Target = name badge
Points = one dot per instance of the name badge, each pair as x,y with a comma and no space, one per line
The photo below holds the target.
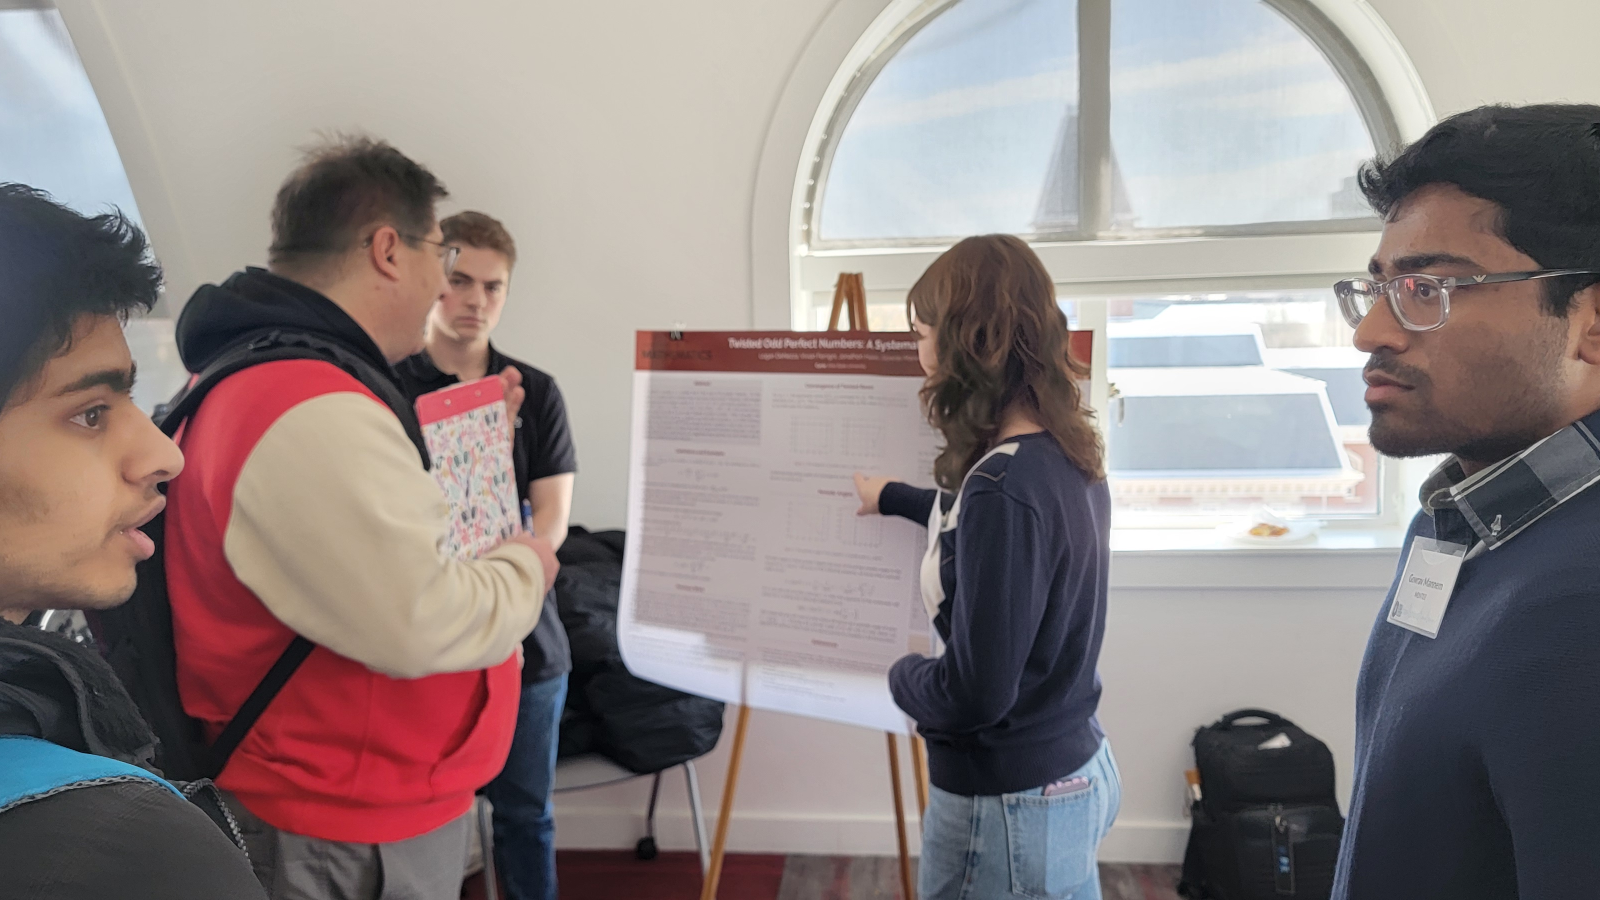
1426,585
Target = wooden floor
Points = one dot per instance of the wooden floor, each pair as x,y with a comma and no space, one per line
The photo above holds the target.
615,874
1122,881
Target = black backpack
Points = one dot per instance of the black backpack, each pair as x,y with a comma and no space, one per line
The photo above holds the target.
136,637
1267,824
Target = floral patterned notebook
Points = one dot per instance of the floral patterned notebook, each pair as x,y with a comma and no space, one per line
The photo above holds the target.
469,437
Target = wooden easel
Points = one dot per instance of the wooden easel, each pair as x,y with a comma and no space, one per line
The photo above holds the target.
849,297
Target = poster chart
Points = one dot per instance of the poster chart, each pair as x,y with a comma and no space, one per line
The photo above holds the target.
748,576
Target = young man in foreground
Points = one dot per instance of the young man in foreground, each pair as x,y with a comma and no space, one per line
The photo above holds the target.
80,468
1476,733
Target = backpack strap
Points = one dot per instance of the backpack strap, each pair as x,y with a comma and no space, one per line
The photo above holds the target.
253,350
278,344
233,733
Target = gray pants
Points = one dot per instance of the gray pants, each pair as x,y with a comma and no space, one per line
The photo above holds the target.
295,867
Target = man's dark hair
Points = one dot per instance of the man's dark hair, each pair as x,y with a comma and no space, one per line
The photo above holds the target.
1540,164
476,229
56,267
341,189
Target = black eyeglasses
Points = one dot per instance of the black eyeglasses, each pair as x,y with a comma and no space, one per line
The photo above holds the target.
1422,302
448,253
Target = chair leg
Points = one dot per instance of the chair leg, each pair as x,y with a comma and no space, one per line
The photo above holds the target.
491,883
698,815
646,848
650,813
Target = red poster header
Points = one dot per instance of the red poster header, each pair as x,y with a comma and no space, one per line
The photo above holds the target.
793,352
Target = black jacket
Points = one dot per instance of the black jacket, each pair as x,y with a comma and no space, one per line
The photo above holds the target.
638,724
121,840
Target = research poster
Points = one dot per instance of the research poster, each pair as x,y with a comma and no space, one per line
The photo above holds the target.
748,576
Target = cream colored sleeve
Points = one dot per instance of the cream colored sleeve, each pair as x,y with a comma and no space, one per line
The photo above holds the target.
339,531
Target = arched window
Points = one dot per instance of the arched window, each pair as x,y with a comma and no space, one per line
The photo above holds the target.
53,136
1186,170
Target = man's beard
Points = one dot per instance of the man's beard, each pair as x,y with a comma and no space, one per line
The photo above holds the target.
1513,405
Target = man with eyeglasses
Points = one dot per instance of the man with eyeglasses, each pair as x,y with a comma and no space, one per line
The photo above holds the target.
1478,706
307,510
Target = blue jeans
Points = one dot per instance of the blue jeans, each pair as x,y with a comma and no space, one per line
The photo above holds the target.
1022,844
524,818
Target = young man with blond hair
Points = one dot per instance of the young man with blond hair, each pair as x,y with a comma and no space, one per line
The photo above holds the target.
458,349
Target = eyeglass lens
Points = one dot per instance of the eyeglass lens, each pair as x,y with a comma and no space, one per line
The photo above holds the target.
1418,300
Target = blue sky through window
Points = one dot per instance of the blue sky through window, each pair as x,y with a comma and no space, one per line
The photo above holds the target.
1222,114
955,135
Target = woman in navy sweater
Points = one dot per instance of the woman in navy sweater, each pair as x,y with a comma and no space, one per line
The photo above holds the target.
1024,784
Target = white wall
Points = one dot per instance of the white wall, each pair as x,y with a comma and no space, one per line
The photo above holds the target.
618,141
621,142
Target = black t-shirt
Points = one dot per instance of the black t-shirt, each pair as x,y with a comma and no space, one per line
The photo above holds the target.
543,447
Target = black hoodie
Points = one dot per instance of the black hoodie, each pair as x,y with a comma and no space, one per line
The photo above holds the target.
127,839
255,302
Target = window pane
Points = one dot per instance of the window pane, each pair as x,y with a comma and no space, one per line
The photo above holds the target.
970,128
52,133
161,371
1222,113
1230,400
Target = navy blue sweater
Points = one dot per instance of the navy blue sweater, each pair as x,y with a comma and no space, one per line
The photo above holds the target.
1011,703
1478,752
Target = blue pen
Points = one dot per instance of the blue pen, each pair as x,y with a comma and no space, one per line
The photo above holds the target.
527,517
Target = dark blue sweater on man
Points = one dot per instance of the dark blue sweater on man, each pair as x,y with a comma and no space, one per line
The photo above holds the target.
1011,703
1478,751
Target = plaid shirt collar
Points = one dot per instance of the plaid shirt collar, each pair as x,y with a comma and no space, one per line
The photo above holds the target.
1502,500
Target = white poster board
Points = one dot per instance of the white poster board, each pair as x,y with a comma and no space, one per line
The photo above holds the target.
748,576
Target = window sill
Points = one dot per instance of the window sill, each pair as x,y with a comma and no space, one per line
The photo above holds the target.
1209,540
1200,558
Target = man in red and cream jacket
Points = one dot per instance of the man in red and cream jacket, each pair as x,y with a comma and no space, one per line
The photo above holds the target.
307,510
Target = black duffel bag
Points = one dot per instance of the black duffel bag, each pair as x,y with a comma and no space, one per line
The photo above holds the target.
1267,824
638,724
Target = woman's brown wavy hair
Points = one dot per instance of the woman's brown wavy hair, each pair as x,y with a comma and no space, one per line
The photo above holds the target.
1001,339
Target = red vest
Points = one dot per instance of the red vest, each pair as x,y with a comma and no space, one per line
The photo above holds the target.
343,753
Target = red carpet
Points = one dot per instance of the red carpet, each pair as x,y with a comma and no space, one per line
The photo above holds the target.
619,875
